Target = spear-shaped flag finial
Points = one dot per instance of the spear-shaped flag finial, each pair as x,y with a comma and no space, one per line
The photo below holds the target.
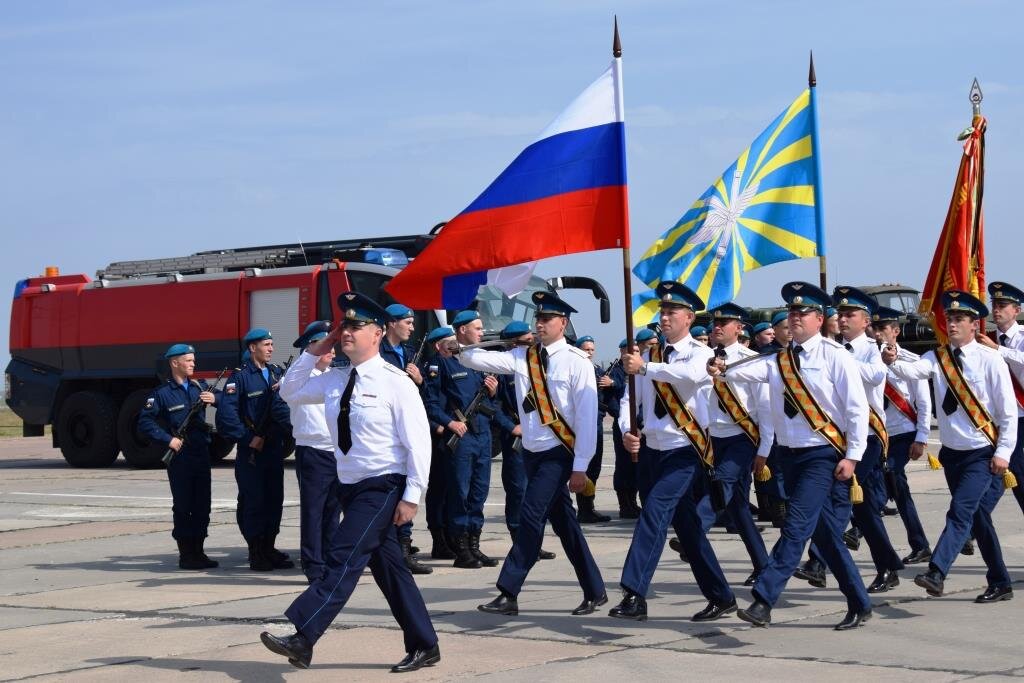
812,80
976,97
616,45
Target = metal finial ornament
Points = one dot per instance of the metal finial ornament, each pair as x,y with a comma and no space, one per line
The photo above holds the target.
812,79
976,97
616,45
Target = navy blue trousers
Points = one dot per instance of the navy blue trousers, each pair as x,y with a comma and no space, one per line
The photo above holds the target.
366,536
594,468
818,509
513,480
669,501
776,486
437,487
899,456
189,476
868,515
975,492
1017,464
624,478
468,479
319,509
260,489
547,498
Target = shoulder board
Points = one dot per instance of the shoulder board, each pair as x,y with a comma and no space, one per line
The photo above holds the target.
909,355
395,370
833,343
745,352
989,351
579,352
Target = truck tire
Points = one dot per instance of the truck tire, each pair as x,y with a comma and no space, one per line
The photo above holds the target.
219,447
87,428
138,451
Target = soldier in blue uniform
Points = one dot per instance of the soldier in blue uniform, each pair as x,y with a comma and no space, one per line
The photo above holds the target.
764,335
700,333
469,466
437,518
586,513
624,478
189,470
253,415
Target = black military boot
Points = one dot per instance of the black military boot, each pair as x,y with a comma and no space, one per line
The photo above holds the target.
258,561
186,555
277,559
441,549
474,548
411,562
585,512
200,554
464,558
626,506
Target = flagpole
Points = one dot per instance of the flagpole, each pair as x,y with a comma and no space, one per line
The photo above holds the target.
819,210
626,284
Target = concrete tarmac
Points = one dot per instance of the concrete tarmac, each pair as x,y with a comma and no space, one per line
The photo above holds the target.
91,591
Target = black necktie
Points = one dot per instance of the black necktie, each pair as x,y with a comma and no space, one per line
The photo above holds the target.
544,359
1004,340
344,428
790,408
949,402
849,347
659,407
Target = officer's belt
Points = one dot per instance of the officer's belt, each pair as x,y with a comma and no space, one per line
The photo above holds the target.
680,414
734,407
956,382
897,398
798,393
541,398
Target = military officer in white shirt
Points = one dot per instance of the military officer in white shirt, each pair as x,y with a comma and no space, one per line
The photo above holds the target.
382,446
556,396
811,380
977,417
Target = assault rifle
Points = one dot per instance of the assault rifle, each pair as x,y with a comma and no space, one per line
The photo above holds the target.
182,431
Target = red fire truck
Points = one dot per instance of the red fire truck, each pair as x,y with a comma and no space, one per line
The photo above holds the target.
85,352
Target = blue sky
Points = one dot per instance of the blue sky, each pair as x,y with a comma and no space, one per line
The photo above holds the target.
143,129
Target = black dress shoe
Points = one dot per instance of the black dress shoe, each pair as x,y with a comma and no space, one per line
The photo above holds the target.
417,659
918,556
633,607
885,581
931,581
713,611
295,647
758,614
589,606
853,620
677,546
851,537
813,572
752,579
545,555
993,594
890,511
503,604
968,548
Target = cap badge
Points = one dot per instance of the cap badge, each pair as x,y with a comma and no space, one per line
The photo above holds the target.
798,299
350,314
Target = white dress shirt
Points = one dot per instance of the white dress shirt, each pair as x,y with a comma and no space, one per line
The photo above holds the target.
390,434
918,396
572,386
686,370
872,369
833,378
989,378
309,423
1013,354
754,398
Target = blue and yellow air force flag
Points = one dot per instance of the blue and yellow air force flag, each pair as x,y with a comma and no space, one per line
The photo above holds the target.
765,208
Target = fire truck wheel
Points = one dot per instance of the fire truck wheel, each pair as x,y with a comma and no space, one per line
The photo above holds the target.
219,448
137,449
87,429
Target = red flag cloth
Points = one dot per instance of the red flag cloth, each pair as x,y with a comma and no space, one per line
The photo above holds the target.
959,260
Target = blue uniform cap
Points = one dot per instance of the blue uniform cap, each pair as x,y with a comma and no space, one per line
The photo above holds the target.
645,334
582,340
829,312
957,301
1005,292
549,304
439,333
514,330
884,314
314,331
728,312
361,308
179,350
256,334
761,327
623,343
805,296
698,331
851,297
746,332
399,311
779,317
671,293
464,317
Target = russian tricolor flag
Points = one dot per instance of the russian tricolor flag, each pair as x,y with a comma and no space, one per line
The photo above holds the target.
563,194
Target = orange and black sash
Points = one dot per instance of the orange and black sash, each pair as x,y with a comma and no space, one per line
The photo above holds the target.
956,382
733,406
797,392
897,398
549,415
681,416
876,422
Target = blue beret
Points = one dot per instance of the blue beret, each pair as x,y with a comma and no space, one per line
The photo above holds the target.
884,314
1005,292
584,339
179,350
673,293
645,334
246,356
728,312
829,312
623,343
256,334
314,331
698,331
399,311
778,317
439,333
361,308
464,317
804,295
761,327
549,304
515,329
851,297
958,301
